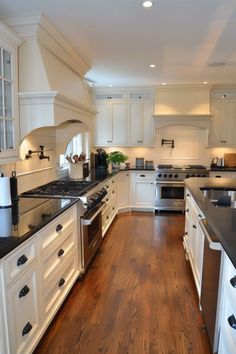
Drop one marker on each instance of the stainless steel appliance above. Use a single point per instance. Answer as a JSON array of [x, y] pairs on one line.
[[89, 205], [170, 184], [210, 292]]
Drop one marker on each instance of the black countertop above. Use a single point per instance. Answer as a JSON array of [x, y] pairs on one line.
[[223, 169], [26, 217], [221, 219]]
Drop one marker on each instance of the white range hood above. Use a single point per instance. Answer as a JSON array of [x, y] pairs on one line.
[[51, 85]]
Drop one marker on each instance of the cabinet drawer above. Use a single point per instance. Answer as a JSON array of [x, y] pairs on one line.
[[23, 313], [59, 285], [229, 313], [59, 254], [144, 176], [230, 282], [50, 234], [15, 264]]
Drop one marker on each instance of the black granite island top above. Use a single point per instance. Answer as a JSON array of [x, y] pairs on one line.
[[26, 217], [222, 219]]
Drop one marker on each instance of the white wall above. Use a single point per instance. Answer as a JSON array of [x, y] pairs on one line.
[[34, 172]]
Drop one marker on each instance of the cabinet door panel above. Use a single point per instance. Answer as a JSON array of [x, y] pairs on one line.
[[147, 123], [118, 123], [144, 194], [230, 122], [218, 111], [123, 190], [102, 124], [134, 123]]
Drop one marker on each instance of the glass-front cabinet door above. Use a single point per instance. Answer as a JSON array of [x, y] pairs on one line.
[[9, 122]]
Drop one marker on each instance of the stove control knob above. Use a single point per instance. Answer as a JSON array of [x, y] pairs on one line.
[[192, 175], [165, 175], [187, 176], [203, 175], [170, 175], [176, 176], [198, 175], [159, 175]]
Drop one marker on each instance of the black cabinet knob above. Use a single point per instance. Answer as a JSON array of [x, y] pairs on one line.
[[232, 321], [24, 291], [194, 226], [61, 282], [22, 260], [59, 227], [233, 281], [60, 252], [27, 329], [187, 210]]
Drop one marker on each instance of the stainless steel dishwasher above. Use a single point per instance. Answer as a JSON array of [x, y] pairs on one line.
[[210, 290]]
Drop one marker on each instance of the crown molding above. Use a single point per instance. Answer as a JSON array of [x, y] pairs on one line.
[[10, 35], [37, 26]]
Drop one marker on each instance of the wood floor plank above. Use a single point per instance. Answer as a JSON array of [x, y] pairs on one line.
[[138, 297]]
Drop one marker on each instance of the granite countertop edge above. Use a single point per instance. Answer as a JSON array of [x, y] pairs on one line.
[[221, 219], [8, 244]]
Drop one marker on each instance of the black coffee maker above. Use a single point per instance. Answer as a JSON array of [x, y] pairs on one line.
[[99, 159]]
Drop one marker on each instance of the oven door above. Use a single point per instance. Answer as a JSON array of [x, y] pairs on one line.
[[91, 232], [169, 195]]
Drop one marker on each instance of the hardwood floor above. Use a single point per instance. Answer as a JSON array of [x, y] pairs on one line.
[[138, 296]]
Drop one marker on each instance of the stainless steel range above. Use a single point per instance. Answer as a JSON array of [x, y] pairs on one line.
[[89, 207], [170, 184]]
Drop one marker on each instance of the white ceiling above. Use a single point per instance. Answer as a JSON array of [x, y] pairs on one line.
[[190, 41]]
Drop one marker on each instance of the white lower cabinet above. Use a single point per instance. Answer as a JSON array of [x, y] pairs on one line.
[[227, 341], [123, 190], [35, 279], [110, 208], [143, 191], [23, 312], [194, 239], [223, 174]]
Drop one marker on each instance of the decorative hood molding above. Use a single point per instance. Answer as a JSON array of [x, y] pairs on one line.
[[52, 89]]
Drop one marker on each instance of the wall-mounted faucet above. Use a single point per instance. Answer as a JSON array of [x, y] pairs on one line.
[[40, 153], [168, 142]]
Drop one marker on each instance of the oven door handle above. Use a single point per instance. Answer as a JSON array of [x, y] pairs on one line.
[[89, 221], [170, 182]]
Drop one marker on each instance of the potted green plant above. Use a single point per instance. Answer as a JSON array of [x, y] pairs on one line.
[[116, 158]]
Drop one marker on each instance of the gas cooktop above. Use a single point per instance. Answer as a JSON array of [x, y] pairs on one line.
[[62, 188]]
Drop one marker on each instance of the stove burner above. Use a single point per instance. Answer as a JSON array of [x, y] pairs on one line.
[[62, 188]]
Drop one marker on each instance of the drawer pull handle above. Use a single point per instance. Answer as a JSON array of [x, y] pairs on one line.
[[194, 226], [187, 210], [61, 282], [60, 252], [27, 329], [142, 175], [233, 281], [24, 291], [200, 216], [232, 321], [113, 192], [59, 227], [22, 260], [188, 195]]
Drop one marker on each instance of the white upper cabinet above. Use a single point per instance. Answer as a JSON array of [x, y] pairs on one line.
[[9, 120], [223, 122], [124, 119], [140, 119], [110, 125]]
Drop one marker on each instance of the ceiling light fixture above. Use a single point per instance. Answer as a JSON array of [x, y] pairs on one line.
[[164, 83], [148, 3], [152, 65], [205, 82], [110, 85]]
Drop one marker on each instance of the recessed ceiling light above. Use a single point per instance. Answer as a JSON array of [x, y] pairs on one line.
[[205, 82], [152, 65], [148, 3], [110, 85], [164, 83]]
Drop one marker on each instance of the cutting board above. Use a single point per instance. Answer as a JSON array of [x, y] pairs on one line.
[[230, 160]]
